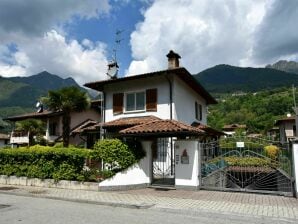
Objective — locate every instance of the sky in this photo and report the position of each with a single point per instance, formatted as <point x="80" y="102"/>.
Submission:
<point x="76" y="38"/>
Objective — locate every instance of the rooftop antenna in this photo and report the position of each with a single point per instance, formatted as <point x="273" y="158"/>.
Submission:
<point x="39" y="107"/>
<point x="113" y="65"/>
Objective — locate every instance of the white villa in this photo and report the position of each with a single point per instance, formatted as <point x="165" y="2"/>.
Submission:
<point x="163" y="110"/>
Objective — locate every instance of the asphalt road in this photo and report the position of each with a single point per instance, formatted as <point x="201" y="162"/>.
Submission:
<point x="19" y="209"/>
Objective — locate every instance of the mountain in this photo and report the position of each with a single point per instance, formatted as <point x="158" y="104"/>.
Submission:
<point x="45" y="80"/>
<point x="25" y="91"/>
<point x="287" y="66"/>
<point x="230" y="79"/>
<point x="18" y="95"/>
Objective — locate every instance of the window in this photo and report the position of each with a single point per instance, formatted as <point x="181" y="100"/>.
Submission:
<point x="198" y="111"/>
<point x="53" y="128"/>
<point x="135" y="101"/>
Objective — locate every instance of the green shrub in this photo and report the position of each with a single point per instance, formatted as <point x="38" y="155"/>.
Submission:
<point x="117" y="154"/>
<point x="244" y="161"/>
<point x="272" y="151"/>
<point x="65" y="172"/>
<point x="43" y="162"/>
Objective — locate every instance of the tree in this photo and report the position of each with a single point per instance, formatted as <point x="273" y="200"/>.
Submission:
<point x="66" y="100"/>
<point x="32" y="126"/>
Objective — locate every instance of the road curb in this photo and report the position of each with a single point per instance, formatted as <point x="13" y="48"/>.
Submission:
<point x="112" y="204"/>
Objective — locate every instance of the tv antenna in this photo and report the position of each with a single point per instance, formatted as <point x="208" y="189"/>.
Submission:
<point x="113" y="65"/>
<point x="39" y="107"/>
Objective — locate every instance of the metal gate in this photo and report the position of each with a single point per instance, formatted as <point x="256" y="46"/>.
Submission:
<point x="247" y="164"/>
<point x="162" y="162"/>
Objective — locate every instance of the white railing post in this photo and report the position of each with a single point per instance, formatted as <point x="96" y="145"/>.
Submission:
<point x="295" y="164"/>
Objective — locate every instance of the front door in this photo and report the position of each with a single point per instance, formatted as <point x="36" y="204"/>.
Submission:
<point x="162" y="162"/>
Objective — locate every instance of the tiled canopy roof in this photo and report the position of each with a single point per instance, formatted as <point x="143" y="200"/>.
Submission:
<point x="159" y="127"/>
<point x="86" y="125"/>
<point x="129" y="121"/>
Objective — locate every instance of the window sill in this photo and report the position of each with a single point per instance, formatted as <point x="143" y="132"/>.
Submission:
<point x="134" y="111"/>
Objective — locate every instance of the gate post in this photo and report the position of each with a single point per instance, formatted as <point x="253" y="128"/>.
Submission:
<point x="295" y="165"/>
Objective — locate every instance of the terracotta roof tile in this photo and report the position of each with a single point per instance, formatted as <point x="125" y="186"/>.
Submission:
<point x="129" y="121"/>
<point x="163" y="126"/>
<point x="86" y="125"/>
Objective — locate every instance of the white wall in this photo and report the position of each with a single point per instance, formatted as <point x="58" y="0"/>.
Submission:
<point x="139" y="173"/>
<point x="163" y="97"/>
<point x="295" y="165"/>
<point x="184" y="99"/>
<point x="187" y="175"/>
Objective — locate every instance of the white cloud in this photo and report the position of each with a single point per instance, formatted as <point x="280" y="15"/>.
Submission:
<point x="36" y="30"/>
<point x="204" y="33"/>
<point x="277" y="36"/>
<point x="34" y="17"/>
<point x="84" y="61"/>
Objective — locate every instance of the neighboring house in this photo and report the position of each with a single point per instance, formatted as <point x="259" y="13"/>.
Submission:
<point x="53" y="124"/>
<point x="4" y="140"/>
<point x="158" y="107"/>
<point x="287" y="128"/>
<point x="230" y="129"/>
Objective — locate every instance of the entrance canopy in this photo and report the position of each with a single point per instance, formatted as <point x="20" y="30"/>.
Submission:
<point x="162" y="128"/>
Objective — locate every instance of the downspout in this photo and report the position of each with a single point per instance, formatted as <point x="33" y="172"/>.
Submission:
<point x="171" y="118"/>
<point x="171" y="97"/>
<point x="103" y="112"/>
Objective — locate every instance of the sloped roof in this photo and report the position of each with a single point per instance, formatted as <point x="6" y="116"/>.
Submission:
<point x="85" y="125"/>
<point x="4" y="136"/>
<point x="129" y="121"/>
<point x="207" y="129"/>
<point x="43" y="114"/>
<point x="234" y="126"/>
<point x="162" y="127"/>
<point x="292" y="118"/>
<point x="180" y="72"/>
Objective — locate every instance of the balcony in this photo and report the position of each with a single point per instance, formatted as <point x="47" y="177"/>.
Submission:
<point x="19" y="138"/>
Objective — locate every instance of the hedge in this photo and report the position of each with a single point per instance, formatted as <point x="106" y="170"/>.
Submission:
<point x="44" y="162"/>
<point x="60" y="163"/>
<point x="244" y="161"/>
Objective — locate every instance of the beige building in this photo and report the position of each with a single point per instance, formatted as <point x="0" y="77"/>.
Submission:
<point x="53" y="124"/>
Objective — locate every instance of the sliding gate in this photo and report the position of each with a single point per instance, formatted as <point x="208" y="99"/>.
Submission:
<point x="247" y="164"/>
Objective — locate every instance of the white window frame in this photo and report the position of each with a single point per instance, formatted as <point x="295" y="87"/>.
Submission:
<point x="135" y="106"/>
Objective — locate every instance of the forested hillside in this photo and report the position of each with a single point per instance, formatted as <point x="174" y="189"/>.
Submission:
<point x="230" y="79"/>
<point x="257" y="110"/>
<point x="18" y="95"/>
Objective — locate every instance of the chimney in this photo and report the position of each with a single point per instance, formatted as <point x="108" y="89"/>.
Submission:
<point x="173" y="60"/>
